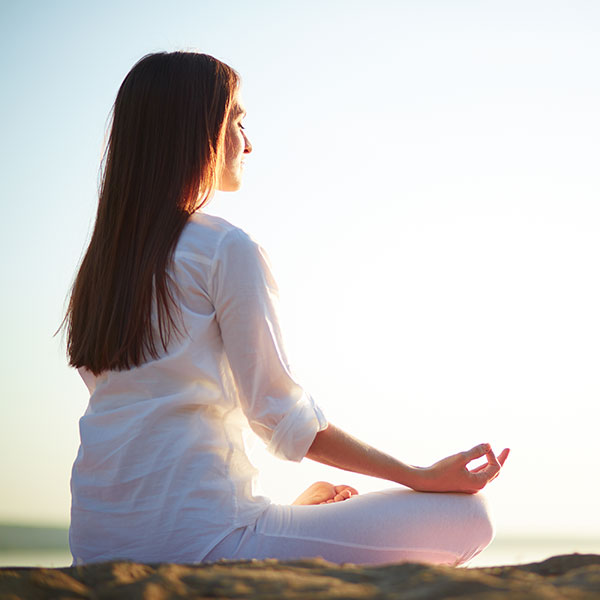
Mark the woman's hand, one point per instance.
(322, 492)
(452, 475)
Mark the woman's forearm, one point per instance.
(336, 448)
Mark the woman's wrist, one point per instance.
(412, 477)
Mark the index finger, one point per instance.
(492, 460)
(475, 452)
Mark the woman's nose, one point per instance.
(247, 145)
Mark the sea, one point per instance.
(27, 546)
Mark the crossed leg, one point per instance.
(392, 525)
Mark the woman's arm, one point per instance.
(336, 448)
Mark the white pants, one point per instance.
(380, 527)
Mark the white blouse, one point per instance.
(162, 473)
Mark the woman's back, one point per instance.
(161, 473)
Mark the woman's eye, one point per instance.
(241, 126)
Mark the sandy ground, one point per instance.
(574, 576)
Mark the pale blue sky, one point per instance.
(425, 180)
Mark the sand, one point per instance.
(574, 576)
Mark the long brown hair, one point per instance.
(161, 164)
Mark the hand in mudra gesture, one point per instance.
(322, 492)
(451, 474)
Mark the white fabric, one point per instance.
(393, 525)
(161, 473)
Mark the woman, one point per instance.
(172, 322)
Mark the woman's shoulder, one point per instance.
(204, 234)
(204, 224)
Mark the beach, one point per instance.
(35, 563)
(574, 576)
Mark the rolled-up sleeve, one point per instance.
(245, 297)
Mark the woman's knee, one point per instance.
(482, 521)
(477, 529)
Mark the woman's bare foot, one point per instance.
(322, 492)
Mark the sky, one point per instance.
(425, 181)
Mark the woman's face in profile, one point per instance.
(237, 145)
